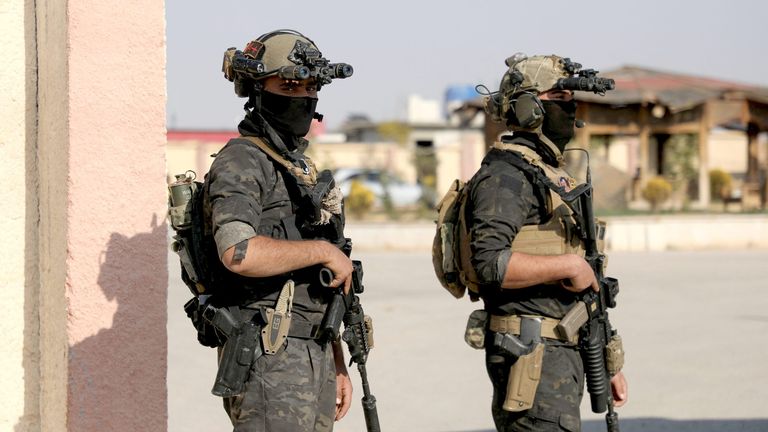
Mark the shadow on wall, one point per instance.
(114, 374)
(655, 424)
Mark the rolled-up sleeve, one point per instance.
(238, 180)
(499, 209)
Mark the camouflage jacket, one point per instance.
(245, 195)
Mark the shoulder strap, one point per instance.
(307, 175)
(530, 162)
(309, 188)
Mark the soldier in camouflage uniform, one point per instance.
(267, 233)
(532, 281)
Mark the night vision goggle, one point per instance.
(310, 65)
(584, 79)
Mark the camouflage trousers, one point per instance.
(291, 391)
(558, 396)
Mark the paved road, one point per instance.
(694, 325)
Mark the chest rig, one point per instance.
(559, 234)
(315, 200)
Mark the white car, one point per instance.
(380, 183)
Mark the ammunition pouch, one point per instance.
(474, 335)
(614, 355)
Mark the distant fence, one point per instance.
(637, 233)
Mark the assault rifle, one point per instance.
(590, 315)
(358, 333)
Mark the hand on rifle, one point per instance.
(340, 265)
(581, 276)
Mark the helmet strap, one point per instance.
(254, 98)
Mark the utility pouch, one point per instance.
(614, 355)
(368, 322)
(524, 378)
(474, 335)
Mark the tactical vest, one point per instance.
(558, 235)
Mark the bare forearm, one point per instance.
(266, 256)
(524, 270)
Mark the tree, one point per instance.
(359, 200)
(656, 192)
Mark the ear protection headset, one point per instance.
(518, 108)
(524, 110)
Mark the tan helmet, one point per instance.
(517, 103)
(285, 53)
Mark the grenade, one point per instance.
(181, 192)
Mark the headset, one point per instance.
(519, 108)
(525, 110)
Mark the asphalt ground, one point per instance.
(694, 324)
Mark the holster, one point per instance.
(524, 378)
(239, 352)
(525, 372)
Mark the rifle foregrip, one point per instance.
(573, 320)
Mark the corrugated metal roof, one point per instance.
(675, 91)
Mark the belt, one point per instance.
(300, 329)
(304, 330)
(511, 324)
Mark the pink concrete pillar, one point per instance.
(103, 247)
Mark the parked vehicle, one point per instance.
(382, 184)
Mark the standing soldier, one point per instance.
(523, 253)
(271, 222)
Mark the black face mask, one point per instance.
(559, 121)
(288, 115)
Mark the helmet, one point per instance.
(284, 53)
(517, 103)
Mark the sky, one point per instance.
(399, 48)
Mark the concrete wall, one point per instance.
(194, 154)
(190, 155)
(382, 155)
(728, 151)
(459, 154)
(639, 233)
(18, 268)
(82, 155)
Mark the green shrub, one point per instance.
(359, 200)
(719, 184)
(656, 191)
